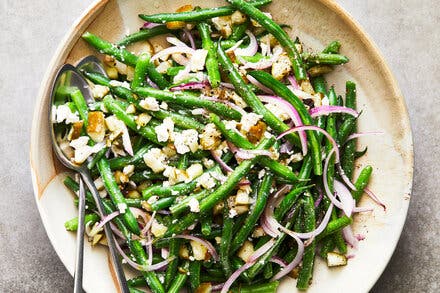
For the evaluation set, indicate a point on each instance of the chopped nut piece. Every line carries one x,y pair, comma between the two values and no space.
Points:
238,18
210,137
223,24
281,67
96,126
246,250
75,131
200,252
256,132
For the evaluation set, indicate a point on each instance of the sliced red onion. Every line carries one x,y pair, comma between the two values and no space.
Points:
107,219
205,243
251,49
361,134
190,37
326,110
227,85
251,261
194,85
293,82
151,83
362,209
126,141
148,224
349,237
236,45
164,252
320,197
286,147
149,249
173,50
139,213
360,237
143,268
250,154
345,197
279,261
149,25
259,85
298,257
219,160
293,114
375,198
116,231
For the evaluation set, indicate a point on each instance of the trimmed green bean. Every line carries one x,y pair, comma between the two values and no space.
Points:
273,28
347,158
270,287
72,224
81,105
183,204
179,279
225,242
194,274
211,59
323,58
174,246
144,34
332,48
334,226
197,15
362,182
140,71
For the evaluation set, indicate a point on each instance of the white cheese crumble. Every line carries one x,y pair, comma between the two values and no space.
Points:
186,141
206,181
194,205
197,61
82,150
155,159
120,83
194,171
63,113
164,131
150,104
99,91
118,127
158,229
232,213
122,207
128,170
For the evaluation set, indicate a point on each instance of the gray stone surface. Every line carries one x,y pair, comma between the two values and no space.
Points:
407,32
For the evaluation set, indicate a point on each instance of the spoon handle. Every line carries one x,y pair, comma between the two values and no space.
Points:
108,233
78,275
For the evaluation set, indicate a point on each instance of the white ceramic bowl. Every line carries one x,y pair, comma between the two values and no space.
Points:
316,23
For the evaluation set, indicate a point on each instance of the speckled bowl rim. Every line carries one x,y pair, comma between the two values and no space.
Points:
89,15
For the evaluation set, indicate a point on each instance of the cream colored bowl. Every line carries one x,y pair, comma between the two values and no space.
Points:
316,23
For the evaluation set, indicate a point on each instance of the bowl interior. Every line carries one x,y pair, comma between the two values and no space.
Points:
316,23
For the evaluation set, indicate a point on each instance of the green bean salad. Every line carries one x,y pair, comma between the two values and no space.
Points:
225,161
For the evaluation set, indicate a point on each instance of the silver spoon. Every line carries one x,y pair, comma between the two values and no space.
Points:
78,274
68,75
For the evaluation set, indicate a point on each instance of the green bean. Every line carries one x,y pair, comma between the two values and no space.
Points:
238,263
164,191
129,120
162,203
332,48
246,229
188,100
268,271
340,242
305,273
140,71
81,106
211,59
346,129
72,224
220,193
174,246
179,120
359,154
96,158
144,34
327,246
334,226
120,162
123,56
289,200
196,15
205,224
116,196
179,280
347,160
238,31
362,182
194,274
136,281
320,86
323,58
183,204
270,287
225,242
134,290
251,99
283,91
138,177
273,28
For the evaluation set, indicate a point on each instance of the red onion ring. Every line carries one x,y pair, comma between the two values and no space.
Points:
361,134
205,243
251,261
259,85
326,110
295,261
227,85
375,198
149,25
349,237
293,82
293,114
219,160
172,50
107,219
251,49
279,261
190,37
345,197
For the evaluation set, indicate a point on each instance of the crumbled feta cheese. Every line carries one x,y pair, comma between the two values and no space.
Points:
128,170
163,67
99,91
149,104
155,159
79,142
99,184
218,239
63,113
164,106
169,151
237,17
175,175
102,193
325,101
278,111
232,95
164,131
206,181
122,207
131,109
199,250
152,199
158,229
210,137
194,171
248,120
197,61
82,150
186,141
198,111
232,213
218,176
242,197
118,127
208,163
230,124
120,83
261,173
194,205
